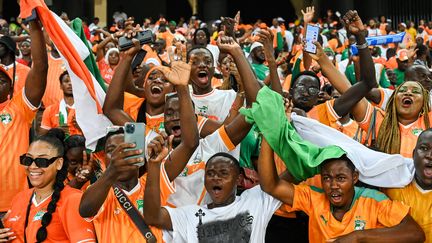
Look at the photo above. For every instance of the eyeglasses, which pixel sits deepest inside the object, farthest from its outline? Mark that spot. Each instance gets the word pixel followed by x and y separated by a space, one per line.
pixel 40 162
pixel 310 90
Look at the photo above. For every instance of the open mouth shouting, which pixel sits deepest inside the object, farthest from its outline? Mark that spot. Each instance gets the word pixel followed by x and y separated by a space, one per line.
pixel 156 90
pixel 407 102
pixel 335 198
pixel 216 191
pixel 203 76
pixel 176 131
pixel 428 170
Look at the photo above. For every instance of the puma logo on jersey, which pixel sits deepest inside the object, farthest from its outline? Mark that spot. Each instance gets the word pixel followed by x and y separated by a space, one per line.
pixel 14 219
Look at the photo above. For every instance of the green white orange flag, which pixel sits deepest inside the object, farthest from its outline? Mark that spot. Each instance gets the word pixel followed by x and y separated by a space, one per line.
pixel 88 91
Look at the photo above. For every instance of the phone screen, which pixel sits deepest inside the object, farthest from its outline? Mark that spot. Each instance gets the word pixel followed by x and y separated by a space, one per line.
pixel 312 32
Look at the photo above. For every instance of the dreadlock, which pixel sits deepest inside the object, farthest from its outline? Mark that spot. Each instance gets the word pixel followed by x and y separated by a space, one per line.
pixel 389 137
pixel 55 137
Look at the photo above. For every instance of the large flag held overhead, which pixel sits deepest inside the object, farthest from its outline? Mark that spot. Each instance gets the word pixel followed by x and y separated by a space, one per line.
pixel 304 144
pixel 87 84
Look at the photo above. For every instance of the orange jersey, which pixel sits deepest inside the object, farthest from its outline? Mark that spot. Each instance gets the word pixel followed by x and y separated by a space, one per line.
pixel 16 116
pixel 105 70
pixel 51 119
pixel 286 85
pixel 132 105
pixel 53 92
pixel 20 75
pixel 112 223
pixel 409 133
pixel 325 114
pixel 391 63
pixel 420 202
pixel 66 225
pixel 370 209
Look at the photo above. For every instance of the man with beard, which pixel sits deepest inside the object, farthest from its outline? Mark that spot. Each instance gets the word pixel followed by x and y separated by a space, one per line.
pixel 257 58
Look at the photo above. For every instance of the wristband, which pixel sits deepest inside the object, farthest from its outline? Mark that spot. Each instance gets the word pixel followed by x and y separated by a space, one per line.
pixel 362 46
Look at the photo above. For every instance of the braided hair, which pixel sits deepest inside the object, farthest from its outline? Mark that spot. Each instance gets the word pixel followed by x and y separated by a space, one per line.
pixel 54 137
pixel 389 137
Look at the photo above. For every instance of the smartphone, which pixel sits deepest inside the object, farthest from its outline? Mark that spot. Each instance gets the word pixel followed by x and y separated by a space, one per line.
pixel 312 33
pixel 134 132
pixel 144 37
pixel 139 57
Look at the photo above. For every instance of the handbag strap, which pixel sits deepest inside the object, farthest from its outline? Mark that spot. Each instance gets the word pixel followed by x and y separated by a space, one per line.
pixel 133 214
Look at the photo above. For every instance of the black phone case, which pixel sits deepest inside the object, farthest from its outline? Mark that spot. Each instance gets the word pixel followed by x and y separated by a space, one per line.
pixel 144 37
pixel 139 57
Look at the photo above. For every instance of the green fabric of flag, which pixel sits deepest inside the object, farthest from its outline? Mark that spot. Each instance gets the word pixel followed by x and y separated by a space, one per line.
pixel 301 157
pixel 279 41
pixel 90 61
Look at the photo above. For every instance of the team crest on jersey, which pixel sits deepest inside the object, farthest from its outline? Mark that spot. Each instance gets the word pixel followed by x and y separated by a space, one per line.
pixel 185 172
pixel 5 118
pixel 203 109
pixel 39 215
pixel 359 224
pixel 417 131
pixel 140 205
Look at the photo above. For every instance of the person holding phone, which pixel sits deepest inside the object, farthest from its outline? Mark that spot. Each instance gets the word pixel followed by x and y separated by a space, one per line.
pixel 99 202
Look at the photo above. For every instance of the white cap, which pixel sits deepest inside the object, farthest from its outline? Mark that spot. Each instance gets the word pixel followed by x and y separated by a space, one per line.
pixel 255 45
pixel 280 19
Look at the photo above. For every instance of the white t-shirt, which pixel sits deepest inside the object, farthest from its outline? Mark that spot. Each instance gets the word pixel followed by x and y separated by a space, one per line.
pixel 215 105
pixel 244 220
pixel 190 183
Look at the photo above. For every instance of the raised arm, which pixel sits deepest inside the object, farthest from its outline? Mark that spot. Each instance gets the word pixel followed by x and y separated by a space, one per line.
pixel 113 105
pixel 239 128
pixel 251 86
pixel 307 18
pixel 405 232
pixel 266 38
pixel 153 212
pixel 352 98
pixel 37 77
pixel 269 179
pixel 94 197
pixel 178 75
pixel 100 47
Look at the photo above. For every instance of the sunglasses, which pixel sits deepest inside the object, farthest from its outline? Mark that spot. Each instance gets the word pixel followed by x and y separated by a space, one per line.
pixel 40 162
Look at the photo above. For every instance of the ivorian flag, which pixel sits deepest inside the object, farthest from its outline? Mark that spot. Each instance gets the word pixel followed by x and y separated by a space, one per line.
pixel 87 84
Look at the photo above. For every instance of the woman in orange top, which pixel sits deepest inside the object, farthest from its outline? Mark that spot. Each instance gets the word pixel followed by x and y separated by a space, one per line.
pixel 49 211
pixel 406 116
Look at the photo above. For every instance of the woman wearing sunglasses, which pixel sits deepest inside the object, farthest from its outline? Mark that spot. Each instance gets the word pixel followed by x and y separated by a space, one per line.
pixel 48 212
